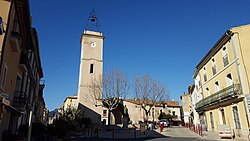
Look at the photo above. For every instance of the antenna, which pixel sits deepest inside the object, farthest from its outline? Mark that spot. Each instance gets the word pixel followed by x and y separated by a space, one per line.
pixel 92 23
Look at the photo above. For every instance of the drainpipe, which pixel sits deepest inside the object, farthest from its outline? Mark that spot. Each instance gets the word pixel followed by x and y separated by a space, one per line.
pixel 234 44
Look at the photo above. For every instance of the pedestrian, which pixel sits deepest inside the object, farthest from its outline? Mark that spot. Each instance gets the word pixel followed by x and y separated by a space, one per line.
pixel 161 127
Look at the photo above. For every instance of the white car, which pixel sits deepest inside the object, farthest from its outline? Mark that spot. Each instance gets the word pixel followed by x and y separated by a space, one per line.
pixel 165 122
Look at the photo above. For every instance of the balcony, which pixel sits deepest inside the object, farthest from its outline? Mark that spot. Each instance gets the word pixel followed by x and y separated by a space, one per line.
pixel 14 42
pixel 19 100
pixel 231 92
pixel 24 62
pixel 14 37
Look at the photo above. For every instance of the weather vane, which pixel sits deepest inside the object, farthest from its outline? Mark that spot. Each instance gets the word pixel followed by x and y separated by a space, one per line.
pixel 92 23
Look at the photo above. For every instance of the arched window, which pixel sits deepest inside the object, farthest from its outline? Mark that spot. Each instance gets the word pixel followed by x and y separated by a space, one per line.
pixel 225 56
pixel 229 79
pixel 217 86
pixel 207 90
pixel 213 67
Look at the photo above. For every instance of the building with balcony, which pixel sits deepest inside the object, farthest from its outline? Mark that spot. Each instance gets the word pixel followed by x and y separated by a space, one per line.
pixel 224 83
pixel 197 95
pixel 20 69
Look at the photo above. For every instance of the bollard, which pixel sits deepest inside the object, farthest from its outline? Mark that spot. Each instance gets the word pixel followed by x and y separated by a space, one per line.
pixel 91 131
pixel 113 134
pixel 135 132
pixel 201 130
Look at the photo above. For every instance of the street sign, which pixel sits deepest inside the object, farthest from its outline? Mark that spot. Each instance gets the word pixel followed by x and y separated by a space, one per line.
pixel 6 102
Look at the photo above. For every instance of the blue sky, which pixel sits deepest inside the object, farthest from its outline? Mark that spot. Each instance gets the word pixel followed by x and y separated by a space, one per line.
pixel 162 38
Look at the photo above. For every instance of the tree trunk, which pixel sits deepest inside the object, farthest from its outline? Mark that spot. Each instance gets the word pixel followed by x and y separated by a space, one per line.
pixel 146 115
pixel 109 116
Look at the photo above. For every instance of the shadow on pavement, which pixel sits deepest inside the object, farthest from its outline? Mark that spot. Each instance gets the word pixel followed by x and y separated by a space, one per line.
pixel 109 133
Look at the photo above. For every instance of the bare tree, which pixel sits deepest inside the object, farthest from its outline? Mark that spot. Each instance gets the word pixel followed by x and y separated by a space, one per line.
pixel 111 89
pixel 149 92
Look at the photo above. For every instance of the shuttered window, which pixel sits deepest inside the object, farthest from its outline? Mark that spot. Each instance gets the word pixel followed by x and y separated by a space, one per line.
pixel 236 117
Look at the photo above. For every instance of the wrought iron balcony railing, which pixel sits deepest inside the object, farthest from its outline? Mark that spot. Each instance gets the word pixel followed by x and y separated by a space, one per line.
pixel 227 93
pixel 19 100
pixel 24 59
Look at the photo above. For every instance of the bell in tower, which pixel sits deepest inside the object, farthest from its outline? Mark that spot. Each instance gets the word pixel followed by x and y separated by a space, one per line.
pixel 92 23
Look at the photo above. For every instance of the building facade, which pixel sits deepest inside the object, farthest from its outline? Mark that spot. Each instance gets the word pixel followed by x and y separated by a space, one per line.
pixel 20 69
pixel 197 95
pixel 70 102
pixel 186 107
pixel 137 113
pixel 224 83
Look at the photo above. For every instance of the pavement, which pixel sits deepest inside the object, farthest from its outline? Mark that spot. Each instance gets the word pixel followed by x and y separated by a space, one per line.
pixel 212 135
pixel 175 132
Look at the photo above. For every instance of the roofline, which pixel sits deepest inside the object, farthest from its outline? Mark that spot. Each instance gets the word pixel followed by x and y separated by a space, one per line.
pixel 70 97
pixel 217 46
pixel 23 15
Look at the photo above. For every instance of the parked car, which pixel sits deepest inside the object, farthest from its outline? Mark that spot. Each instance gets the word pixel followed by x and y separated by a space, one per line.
pixel 165 122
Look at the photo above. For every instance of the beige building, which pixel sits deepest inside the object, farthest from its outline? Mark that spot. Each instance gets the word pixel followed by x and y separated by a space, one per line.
pixel 197 95
pixel 224 73
pixel 186 107
pixel 70 102
pixel 90 69
pixel 136 113
pixel 174 110
pixel 20 69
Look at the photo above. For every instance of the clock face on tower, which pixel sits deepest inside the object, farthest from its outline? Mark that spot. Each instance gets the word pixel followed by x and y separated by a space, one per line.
pixel 93 44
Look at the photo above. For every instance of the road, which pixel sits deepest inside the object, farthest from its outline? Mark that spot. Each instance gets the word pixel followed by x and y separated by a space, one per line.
pixel 170 134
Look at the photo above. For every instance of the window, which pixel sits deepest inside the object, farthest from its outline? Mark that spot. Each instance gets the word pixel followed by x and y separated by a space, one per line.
pixel 229 80
pixel 225 60
pixel 236 117
pixel 91 68
pixel 223 116
pixel 104 113
pixel 217 86
pixel 173 113
pixel 207 90
pixel 211 120
pixel 213 67
pixel 205 77
pixel 4 76
pixel 18 84
pixel 225 57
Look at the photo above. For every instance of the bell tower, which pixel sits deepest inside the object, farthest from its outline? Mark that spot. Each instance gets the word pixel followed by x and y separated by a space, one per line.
pixel 91 65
